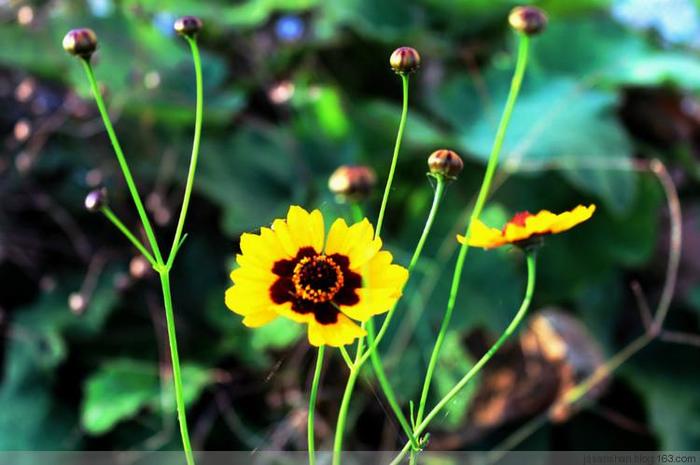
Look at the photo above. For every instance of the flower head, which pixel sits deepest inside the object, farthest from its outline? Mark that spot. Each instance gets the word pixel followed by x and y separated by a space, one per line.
pixel 405 60
pixel 80 42
pixel 294 271
pixel 525 227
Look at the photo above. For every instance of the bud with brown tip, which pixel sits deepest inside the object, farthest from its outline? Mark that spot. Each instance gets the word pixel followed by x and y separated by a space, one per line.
pixel 80 42
pixel 352 182
pixel 529 20
pixel 96 200
pixel 445 163
pixel 188 26
pixel 405 60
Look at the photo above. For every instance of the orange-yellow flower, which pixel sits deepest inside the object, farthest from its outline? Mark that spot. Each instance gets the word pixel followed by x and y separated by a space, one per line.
pixel 292 270
pixel 525 226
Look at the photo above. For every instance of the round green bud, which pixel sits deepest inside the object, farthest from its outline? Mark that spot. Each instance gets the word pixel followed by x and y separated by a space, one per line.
pixel 80 42
pixel 529 20
pixel 96 200
pixel 405 60
pixel 188 26
pixel 445 163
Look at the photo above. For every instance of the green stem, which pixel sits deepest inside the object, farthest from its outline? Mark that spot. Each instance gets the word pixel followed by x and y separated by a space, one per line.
pixel 522 311
pixel 395 158
pixel 373 341
pixel 346 356
pixel 195 150
pixel 175 358
pixel 122 161
pixel 521 64
pixel 343 414
pixel 312 404
pixel 118 223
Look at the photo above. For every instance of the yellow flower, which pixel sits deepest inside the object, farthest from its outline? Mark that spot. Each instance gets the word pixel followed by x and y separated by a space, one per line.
pixel 525 226
pixel 292 270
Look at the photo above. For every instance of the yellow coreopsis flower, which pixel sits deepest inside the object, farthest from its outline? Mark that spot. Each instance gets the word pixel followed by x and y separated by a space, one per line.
pixel 525 226
pixel 292 270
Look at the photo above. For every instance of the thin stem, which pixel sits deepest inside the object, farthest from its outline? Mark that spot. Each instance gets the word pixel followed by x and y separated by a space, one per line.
pixel 343 414
pixel 195 151
pixel 312 404
pixel 522 311
pixel 386 386
pixel 111 216
pixel 122 161
pixel 395 158
pixel 439 191
pixel 373 341
pixel 177 375
pixel 516 83
pixel 346 356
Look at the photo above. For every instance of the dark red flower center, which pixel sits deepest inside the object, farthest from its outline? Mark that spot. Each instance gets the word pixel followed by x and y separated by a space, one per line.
pixel 315 283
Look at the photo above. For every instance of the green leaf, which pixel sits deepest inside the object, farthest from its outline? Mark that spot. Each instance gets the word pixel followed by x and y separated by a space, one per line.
pixel 572 126
pixel 120 389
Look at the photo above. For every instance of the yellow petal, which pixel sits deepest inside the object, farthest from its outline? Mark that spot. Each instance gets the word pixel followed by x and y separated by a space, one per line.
pixel 568 220
pixel 356 242
pixel 338 334
pixel 483 236
pixel 300 229
pixel 382 286
pixel 286 311
pixel 255 320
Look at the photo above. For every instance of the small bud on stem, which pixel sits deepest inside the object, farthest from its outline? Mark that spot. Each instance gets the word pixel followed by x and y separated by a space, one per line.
pixel 529 20
pixel 352 182
pixel 80 42
pixel 96 200
pixel 445 163
pixel 405 60
pixel 188 26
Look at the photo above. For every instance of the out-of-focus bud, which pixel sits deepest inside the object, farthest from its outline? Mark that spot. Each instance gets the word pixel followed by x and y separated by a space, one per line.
pixel 188 26
pixel 445 163
pixel 529 20
pixel 96 200
pixel 405 60
pixel 353 183
pixel 77 303
pixel 139 267
pixel 80 42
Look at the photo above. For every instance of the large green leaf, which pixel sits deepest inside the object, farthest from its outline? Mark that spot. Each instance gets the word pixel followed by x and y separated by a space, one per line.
pixel 120 389
pixel 565 124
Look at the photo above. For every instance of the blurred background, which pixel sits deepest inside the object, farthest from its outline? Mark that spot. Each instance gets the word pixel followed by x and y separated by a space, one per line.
pixel 293 89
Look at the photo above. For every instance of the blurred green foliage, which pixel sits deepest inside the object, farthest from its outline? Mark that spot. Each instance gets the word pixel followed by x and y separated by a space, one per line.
pixel 293 89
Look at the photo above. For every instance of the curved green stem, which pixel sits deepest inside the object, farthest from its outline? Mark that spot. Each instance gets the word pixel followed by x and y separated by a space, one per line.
pixel 522 311
pixel 120 226
pixel 521 64
pixel 312 405
pixel 395 158
pixel 343 414
pixel 195 150
pixel 175 359
pixel 373 341
pixel 122 161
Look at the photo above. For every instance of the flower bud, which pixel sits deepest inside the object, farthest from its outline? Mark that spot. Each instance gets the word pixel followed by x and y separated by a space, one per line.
pixel 188 26
pixel 445 163
pixel 405 60
pixel 352 182
pixel 96 200
pixel 529 20
pixel 80 42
